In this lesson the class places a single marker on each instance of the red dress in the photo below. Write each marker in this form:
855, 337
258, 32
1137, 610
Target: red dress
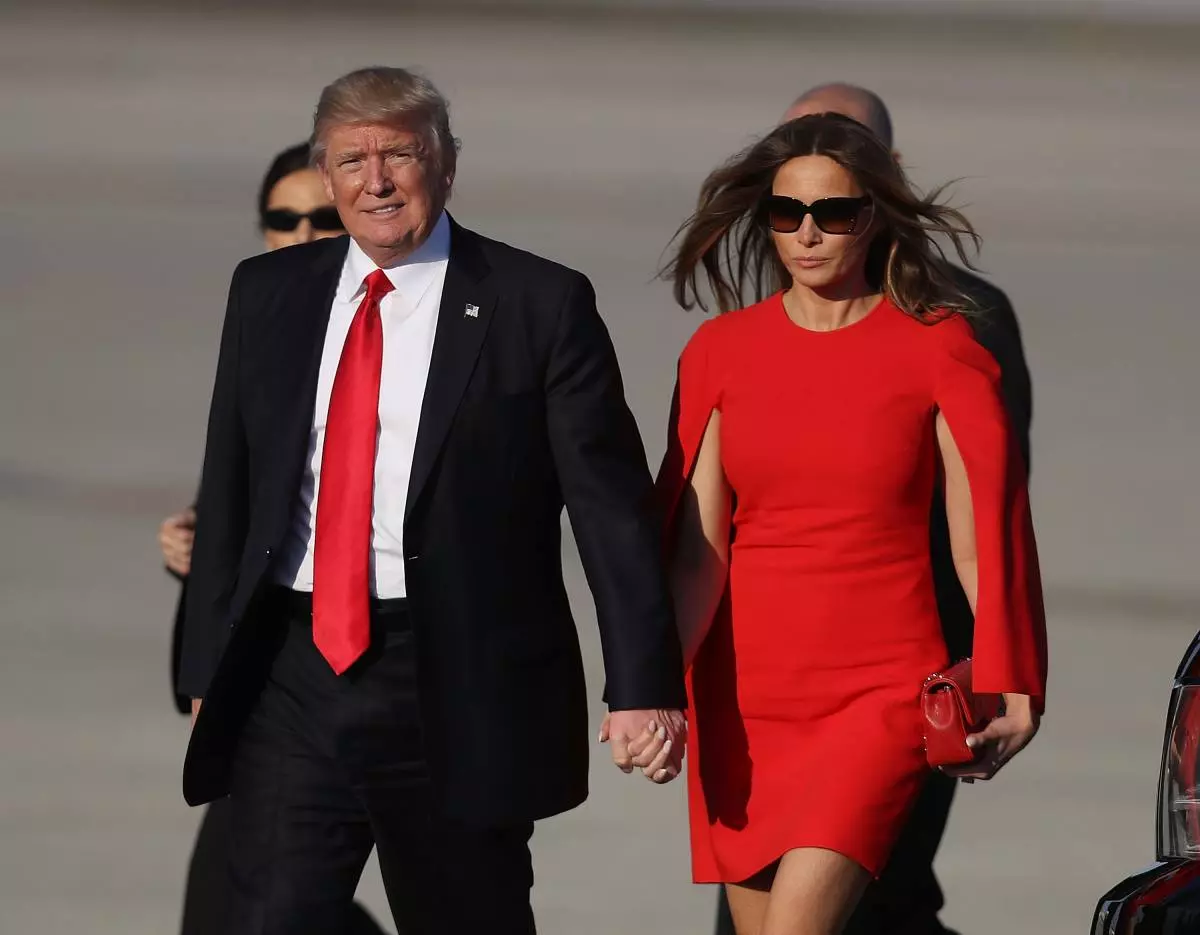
805, 725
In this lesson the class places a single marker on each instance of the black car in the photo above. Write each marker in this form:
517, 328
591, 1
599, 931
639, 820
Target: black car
1164, 898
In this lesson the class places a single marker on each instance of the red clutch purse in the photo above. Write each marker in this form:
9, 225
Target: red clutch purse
951, 711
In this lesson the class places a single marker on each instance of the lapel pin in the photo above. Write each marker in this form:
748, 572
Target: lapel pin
472, 311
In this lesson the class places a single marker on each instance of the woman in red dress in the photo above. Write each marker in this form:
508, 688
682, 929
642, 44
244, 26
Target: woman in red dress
809, 433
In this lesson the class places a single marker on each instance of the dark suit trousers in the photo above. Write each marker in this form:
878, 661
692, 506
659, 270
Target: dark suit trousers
207, 899
329, 766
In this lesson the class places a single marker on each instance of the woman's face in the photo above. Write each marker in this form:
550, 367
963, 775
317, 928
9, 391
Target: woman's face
298, 194
814, 257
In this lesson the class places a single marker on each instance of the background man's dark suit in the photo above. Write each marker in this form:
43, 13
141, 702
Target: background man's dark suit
523, 411
207, 896
906, 899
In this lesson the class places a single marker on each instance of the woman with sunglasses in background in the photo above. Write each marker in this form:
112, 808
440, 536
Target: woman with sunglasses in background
809, 433
292, 205
292, 209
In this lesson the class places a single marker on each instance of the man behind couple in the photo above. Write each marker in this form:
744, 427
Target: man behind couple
377, 635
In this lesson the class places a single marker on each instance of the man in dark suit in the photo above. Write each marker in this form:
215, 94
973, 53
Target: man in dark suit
906, 899
207, 895
377, 633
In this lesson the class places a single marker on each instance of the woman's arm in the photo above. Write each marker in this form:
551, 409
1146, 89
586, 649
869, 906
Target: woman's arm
1006, 736
699, 563
960, 514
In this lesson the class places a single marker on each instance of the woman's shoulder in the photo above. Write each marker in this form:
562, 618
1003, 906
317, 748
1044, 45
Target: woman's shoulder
953, 345
940, 330
736, 326
941, 343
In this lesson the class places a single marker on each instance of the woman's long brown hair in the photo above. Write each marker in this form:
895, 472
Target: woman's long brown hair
727, 236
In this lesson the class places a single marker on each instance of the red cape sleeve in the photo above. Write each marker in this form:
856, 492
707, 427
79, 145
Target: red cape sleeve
1010, 619
692, 404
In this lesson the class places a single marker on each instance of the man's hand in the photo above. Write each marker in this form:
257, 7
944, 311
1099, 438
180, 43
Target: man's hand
175, 537
647, 739
196, 702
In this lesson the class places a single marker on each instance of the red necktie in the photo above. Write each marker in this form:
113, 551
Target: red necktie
341, 563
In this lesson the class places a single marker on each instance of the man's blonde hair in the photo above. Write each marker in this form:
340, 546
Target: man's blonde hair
394, 96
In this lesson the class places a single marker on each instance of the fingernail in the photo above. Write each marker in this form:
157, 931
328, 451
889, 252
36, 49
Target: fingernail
653, 726
666, 746
662, 733
600, 737
661, 774
972, 742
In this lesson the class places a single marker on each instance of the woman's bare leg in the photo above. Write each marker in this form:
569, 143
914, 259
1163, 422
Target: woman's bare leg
814, 892
748, 901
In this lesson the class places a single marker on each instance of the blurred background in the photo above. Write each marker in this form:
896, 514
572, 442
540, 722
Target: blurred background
134, 140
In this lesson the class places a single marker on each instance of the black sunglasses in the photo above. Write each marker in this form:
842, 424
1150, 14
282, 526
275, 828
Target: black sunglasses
832, 215
284, 219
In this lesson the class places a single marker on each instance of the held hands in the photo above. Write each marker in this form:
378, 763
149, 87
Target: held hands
175, 537
649, 740
1002, 739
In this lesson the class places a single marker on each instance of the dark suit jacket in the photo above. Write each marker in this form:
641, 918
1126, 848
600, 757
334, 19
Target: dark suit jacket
524, 411
996, 328
183, 704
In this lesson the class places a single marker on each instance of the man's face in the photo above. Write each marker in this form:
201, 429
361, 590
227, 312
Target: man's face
386, 185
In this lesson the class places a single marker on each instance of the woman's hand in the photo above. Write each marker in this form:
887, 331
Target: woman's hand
175, 537
1002, 739
654, 752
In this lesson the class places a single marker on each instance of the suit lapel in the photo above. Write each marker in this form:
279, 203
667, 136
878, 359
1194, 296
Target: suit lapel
304, 322
463, 320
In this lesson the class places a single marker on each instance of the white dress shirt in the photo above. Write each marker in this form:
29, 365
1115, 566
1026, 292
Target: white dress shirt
409, 314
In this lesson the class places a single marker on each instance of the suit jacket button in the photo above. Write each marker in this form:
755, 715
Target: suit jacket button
268, 553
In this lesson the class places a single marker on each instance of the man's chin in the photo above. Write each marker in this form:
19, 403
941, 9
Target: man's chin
394, 241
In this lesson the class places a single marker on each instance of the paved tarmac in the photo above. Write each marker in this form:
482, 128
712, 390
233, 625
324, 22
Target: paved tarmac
133, 145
